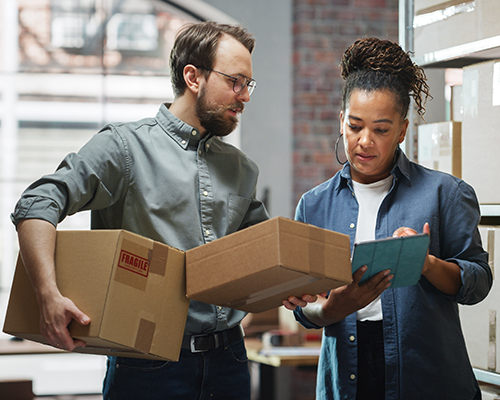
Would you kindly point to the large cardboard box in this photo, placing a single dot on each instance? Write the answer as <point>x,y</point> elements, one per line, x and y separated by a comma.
<point>481,322</point>
<point>256,268</point>
<point>441,24</point>
<point>132,288</point>
<point>440,147</point>
<point>480,144</point>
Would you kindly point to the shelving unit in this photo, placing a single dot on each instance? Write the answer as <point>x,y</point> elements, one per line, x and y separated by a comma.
<point>458,56</point>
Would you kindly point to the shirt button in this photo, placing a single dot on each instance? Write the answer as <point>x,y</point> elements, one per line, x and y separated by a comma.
<point>352,376</point>
<point>352,225</point>
<point>208,145</point>
<point>193,132</point>
<point>351,338</point>
<point>183,142</point>
<point>199,152</point>
<point>219,308</point>
<point>205,193</point>
<point>207,231</point>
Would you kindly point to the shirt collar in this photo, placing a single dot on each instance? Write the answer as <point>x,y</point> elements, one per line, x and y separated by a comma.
<point>184,134</point>
<point>401,169</point>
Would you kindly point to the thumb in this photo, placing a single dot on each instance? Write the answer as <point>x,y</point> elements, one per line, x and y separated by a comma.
<point>79,316</point>
<point>427,229</point>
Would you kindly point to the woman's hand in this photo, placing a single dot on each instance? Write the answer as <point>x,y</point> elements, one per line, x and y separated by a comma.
<point>325,310</point>
<point>444,275</point>
<point>405,231</point>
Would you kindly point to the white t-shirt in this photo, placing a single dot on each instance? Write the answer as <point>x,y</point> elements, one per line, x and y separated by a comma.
<point>369,197</point>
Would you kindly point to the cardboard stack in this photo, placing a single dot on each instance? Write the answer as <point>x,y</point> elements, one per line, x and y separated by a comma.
<point>481,322</point>
<point>442,24</point>
<point>480,147</point>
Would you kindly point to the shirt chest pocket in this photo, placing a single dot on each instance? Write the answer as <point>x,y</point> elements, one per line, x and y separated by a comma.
<point>237,207</point>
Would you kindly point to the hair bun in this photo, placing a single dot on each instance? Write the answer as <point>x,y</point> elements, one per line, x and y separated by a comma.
<point>385,57</point>
<point>376,55</point>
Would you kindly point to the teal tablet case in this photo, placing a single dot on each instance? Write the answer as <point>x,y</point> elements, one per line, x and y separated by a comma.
<point>404,256</point>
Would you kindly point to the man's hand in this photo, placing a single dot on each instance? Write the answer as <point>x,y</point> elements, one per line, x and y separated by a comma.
<point>37,243</point>
<point>55,316</point>
<point>325,310</point>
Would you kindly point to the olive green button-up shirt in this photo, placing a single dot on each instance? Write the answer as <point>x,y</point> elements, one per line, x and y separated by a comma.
<point>158,178</point>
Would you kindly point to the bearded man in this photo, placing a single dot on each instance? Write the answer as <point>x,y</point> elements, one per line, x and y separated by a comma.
<point>172,179</point>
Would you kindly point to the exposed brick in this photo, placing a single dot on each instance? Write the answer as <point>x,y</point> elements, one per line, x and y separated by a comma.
<point>322,30</point>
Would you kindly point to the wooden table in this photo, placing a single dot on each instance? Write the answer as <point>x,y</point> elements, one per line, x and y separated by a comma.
<point>18,347</point>
<point>274,369</point>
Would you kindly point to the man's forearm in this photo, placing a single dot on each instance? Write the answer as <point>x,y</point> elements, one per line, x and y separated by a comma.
<point>37,240</point>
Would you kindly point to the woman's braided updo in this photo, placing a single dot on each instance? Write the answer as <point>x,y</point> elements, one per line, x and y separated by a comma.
<point>373,64</point>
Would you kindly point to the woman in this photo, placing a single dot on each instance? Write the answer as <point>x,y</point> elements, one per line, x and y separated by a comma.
<point>379,342</point>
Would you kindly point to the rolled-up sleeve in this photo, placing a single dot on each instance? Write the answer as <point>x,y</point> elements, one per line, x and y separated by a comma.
<point>462,245</point>
<point>93,178</point>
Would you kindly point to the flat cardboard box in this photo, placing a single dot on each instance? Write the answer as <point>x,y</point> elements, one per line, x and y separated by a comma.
<point>480,145</point>
<point>440,147</point>
<point>132,288</point>
<point>256,268</point>
<point>442,24</point>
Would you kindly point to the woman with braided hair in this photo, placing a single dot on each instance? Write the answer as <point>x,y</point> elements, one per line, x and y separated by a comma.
<point>381,342</point>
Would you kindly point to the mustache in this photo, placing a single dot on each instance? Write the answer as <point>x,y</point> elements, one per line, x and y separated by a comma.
<point>238,106</point>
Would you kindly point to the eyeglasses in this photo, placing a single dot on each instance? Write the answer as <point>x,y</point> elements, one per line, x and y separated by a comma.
<point>239,82</point>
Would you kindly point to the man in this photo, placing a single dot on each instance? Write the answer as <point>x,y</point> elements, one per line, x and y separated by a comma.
<point>172,179</point>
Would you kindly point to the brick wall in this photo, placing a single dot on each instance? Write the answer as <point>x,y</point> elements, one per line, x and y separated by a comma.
<point>322,30</point>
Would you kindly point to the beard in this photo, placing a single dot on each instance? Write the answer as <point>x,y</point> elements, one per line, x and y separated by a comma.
<point>213,118</point>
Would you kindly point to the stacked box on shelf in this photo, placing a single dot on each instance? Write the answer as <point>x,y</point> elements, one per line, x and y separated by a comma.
<point>481,322</point>
<point>481,118</point>
<point>441,24</point>
<point>440,147</point>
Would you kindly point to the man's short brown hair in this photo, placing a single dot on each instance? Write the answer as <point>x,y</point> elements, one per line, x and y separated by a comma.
<point>196,44</point>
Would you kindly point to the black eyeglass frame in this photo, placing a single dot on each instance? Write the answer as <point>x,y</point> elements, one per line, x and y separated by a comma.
<point>249,82</point>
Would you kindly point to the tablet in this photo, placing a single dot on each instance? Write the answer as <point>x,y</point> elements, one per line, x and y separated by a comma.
<point>404,256</point>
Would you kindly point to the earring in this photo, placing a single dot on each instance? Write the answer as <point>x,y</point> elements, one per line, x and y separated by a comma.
<point>337,150</point>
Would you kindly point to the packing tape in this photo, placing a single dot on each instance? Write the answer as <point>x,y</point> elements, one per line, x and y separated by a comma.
<point>316,250</point>
<point>144,337</point>
<point>158,259</point>
<point>492,343</point>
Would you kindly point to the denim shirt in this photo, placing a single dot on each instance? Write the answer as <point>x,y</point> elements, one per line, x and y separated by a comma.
<point>425,352</point>
<point>157,178</point>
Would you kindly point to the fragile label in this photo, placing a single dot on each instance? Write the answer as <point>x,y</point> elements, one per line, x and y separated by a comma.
<point>134,263</point>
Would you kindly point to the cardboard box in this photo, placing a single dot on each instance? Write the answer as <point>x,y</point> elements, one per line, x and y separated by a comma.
<point>441,24</point>
<point>256,268</point>
<point>481,322</point>
<point>132,288</point>
<point>440,147</point>
<point>456,103</point>
<point>480,145</point>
